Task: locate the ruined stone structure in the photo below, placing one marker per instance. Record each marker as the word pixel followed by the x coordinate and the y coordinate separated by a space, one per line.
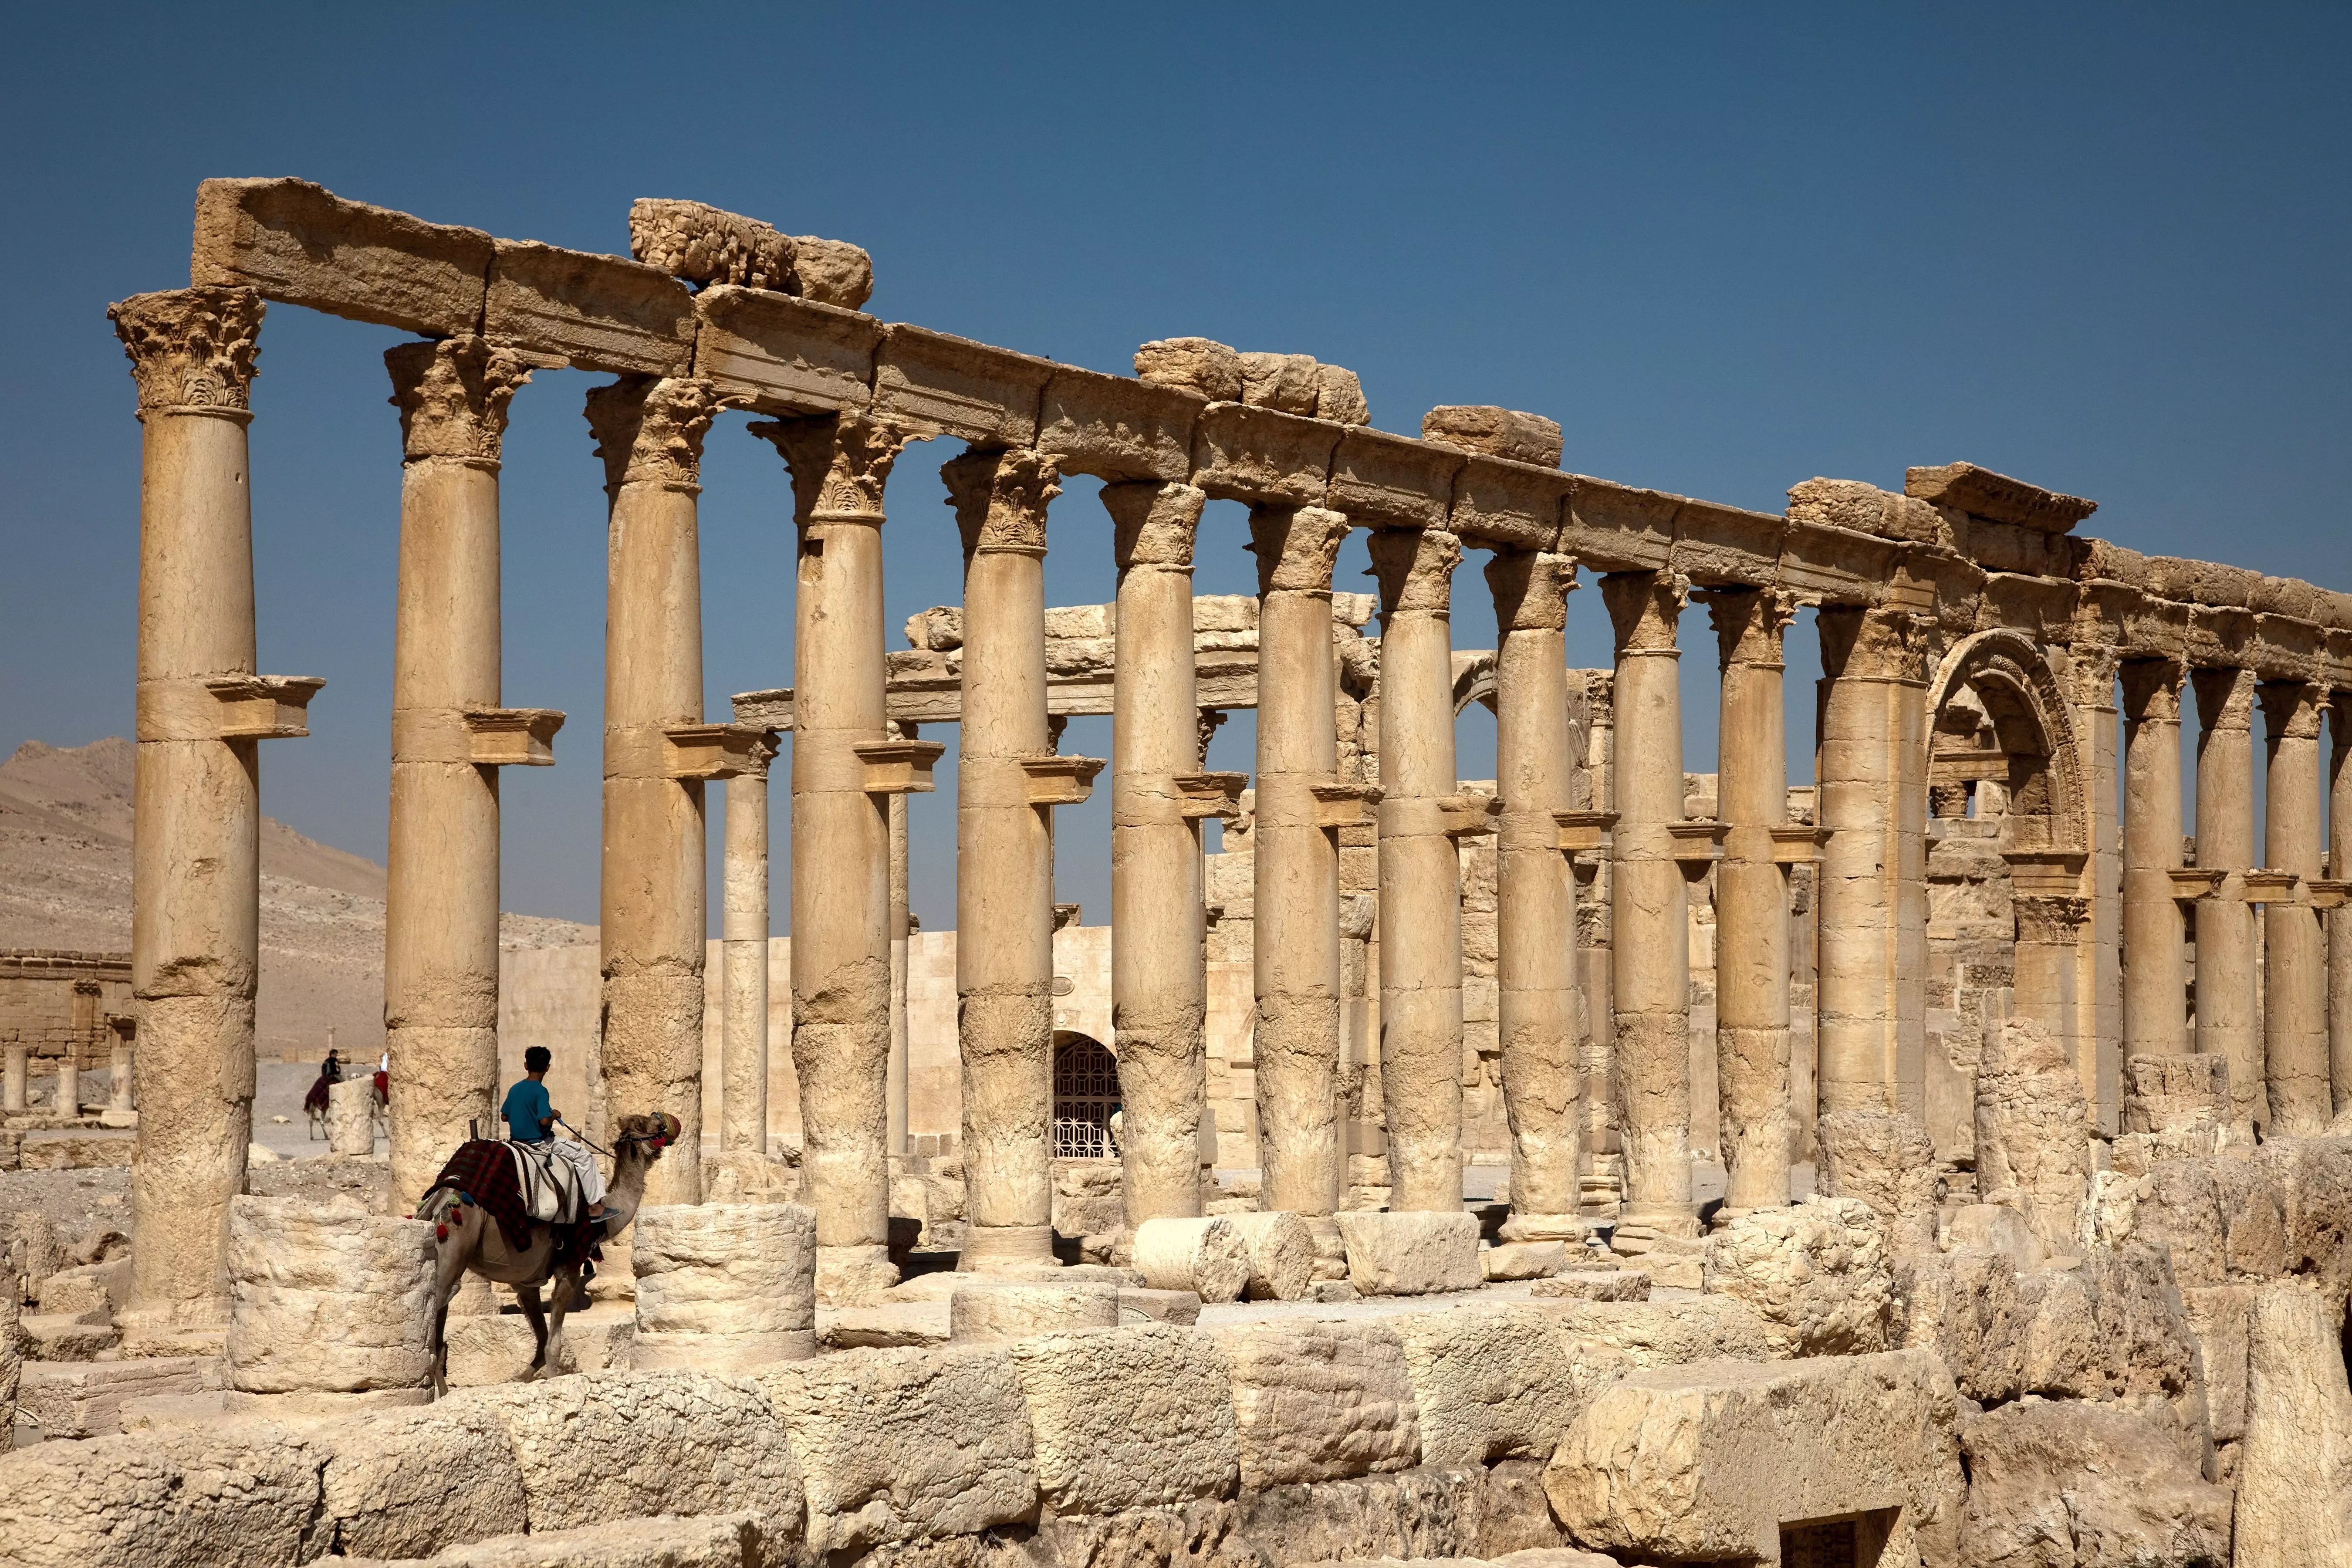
pixel 2118 1293
pixel 66 1017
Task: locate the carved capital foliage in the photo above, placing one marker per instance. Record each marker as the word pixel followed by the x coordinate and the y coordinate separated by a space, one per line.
pixel 839 463
pixel 999 499
pixel 1415 568
pixel 1154 524
pixel 2225 698
pixel 2291 709
pixel 1644 608
pixel 453 395
pixel 1531 589
pixel 191 349
pixel 1873 645
pixel 2087 674
pixel 1748 623
pixel 1295 546
pixel 2051 920
pixel 1210 718
pixel 649 430
pixel 2152 689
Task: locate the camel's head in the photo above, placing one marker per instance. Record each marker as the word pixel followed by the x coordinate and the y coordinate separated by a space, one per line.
pixel 648 1134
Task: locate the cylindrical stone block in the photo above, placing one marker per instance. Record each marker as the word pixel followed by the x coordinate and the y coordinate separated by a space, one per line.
pixel 2228 998
pixel 330 1302
pixel 12 1085
pixel 1281 1254
pixel 743 1023
pixel 1207 1256
pixel 992 1313
pixel 118 1086
pixel 67 1097
pixel 2294 954
pixel 2339 920
pixel 351 1116
pixel 722 1286
pixel 2155 953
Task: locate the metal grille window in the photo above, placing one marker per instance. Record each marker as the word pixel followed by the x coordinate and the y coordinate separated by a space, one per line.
pixel 1086 1092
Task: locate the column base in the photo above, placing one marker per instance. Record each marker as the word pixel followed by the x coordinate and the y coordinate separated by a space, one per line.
pixel 1570 1228
pixel 987 1245
pixel 198 1327
pixel 854 1275
pixel 1657 1220
pixel 239 1402
pixel 722 1353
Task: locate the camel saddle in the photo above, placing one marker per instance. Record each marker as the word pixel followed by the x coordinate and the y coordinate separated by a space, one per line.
pixel 497 1176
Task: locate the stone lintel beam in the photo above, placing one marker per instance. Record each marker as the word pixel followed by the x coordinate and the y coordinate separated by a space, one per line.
pixel 1980 492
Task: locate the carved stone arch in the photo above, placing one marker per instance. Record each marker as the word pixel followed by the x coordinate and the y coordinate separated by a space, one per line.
pixel 1998 685
pixel 1474 681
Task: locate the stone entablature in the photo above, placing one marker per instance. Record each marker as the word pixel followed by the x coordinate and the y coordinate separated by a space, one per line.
pixel 55 1004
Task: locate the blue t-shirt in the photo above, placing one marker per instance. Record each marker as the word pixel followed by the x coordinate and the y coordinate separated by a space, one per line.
pixel 527 1106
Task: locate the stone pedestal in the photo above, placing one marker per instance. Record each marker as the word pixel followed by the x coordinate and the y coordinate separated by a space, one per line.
pixel 2294 954
pixel 724 1286
pixel 2227 1024
pixel 328 1309
pixel 2155 954
pixel 994 1312
pixel 351 1118
pixel 1294 934
pixel 1158 976
pixel 1420 871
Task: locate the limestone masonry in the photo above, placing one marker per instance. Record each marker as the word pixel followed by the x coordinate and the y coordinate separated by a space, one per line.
pixel 1946 1163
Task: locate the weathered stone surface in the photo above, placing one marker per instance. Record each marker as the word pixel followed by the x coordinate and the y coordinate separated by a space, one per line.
pixel 1861 507
pixel 2110 1328
pixel 1886 1160
pixel 1128 1417
pixel 1980 492
pixel 898 1445
pixel 1531 1557
pixel 1412 1253
pixel 1590 1284
pixel 1287 384
pixel 2077 1483
pixel 2294 1464
pixel 1816 1274
pixel 995 1312
pixel 408 1483
pixel 702 244
pixel 1428 1512
pixel 1490 1381
pixel 1207 1256
pixel 1316 1402
pixel 723 1286
pixel 607 1445
pixel 12 1293
pixel 1523 1260
pixel 1138 1306
pixel 600 312
pixel 2178 1207
pixel 293 241
pixel 243 1493
pixel 2222 1316
pixel 327 1303
pixel 831 272
pixel 2313 1179
pixel 2033 1142
pixel 1706 1462
pixel 728 1541
pixel 1990 1227
pixel 1964 1306
pixel 1496 432
pixel 1339 396
pixel 1195 364
pixel 497 1349
pixel 85 1399
pixel 1639 1334
pixel 1281 1254
pixel 2176 1093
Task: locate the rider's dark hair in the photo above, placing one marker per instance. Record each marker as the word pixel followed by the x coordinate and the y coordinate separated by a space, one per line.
pixel 537 1058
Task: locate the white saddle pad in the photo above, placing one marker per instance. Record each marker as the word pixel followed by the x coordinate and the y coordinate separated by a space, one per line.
pixel 550 1188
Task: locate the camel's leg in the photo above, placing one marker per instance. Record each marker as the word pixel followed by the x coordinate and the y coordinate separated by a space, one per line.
pixel 568 1290
pixel 536 1315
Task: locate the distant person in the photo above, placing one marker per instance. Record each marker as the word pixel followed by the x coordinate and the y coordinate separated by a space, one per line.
pixel 331 1070
pixel 531 1117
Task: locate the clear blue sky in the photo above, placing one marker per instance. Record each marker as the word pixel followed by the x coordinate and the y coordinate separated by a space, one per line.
pixel 2102 247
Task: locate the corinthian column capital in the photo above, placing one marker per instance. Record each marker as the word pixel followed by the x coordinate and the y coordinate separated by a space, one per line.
pixel 1748 623
pixel 2291 709
pixel 649 430
pixel 2050 920
pixel 1295 546
pixel 191 349
pixel 2152 689
pixel 1154 524
pixel 1644 608
pixel 1531 589
pixel 839 464
pixel 2225 698
pixel 1880 644
pixel 453 395
pixel 1001 500
pixel 1415 568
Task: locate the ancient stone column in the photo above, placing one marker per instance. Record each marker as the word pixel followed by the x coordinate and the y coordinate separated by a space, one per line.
pixel 1652 987
pixel 1751 902
pixel 1295 935
pixel 11 1086
pixel 1005 860
pixel 902 922
pixel 195 860
pixel 649 432
pixel 1538 1006
pixel 2226 1018
pixel 1159 974
pixel 333 1312
pixel 2048 927
pixel 743 956
pixel 841 842
pixel 1419 870
pixel 119 1103
pixel 2339 918
pixel 2295 991
pixel 2155 953
pixel 1873 789
pixel 441 902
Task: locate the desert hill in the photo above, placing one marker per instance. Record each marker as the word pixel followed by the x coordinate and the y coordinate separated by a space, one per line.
pixel 65 882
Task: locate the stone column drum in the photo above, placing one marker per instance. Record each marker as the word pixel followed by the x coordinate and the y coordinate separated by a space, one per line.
pixel 195 866
pixel 902 924
pixel 330 1309
pixel 351 1118
pixel 1873 903
pixel 1294 936
pixel 1159 974
pixel 841 842
pixel 649 433
pixel 743 956
pixel 1751 940
pixel 2339 918
pixel 2156 952
pixel 2294 995
pixel 441 900
pixel 1419 870
pixel 723 1287
pixel 2226 1021
pixel 12 1085
pixel 1538 1010
pixel 1005 861
pixel 1652 917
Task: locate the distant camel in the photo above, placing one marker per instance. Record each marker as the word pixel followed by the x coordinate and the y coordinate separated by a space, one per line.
pixel 471 1239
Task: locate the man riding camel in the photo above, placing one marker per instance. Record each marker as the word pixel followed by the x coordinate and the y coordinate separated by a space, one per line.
pixel 530 1119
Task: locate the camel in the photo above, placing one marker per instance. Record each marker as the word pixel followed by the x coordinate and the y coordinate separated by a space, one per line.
pixel 471 1239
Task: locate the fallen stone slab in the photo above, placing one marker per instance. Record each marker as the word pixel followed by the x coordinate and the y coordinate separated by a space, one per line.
pixel 1123 1418
pixel 998 1312
pixel 1412 1254
pixel 85 1399
pixel 1137 1305
pixel 727 1540
pixel 1489 1381
pixel 1207 1256
pixel 1495 432
pixel 243 1493
pixel 2091 1473
pixel 1588 1284
pixel 67 1337
pixel 1816 1274
pixel 1319 1401
pixel 409 1483
pixel 893 1324
pixel 1523 1260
